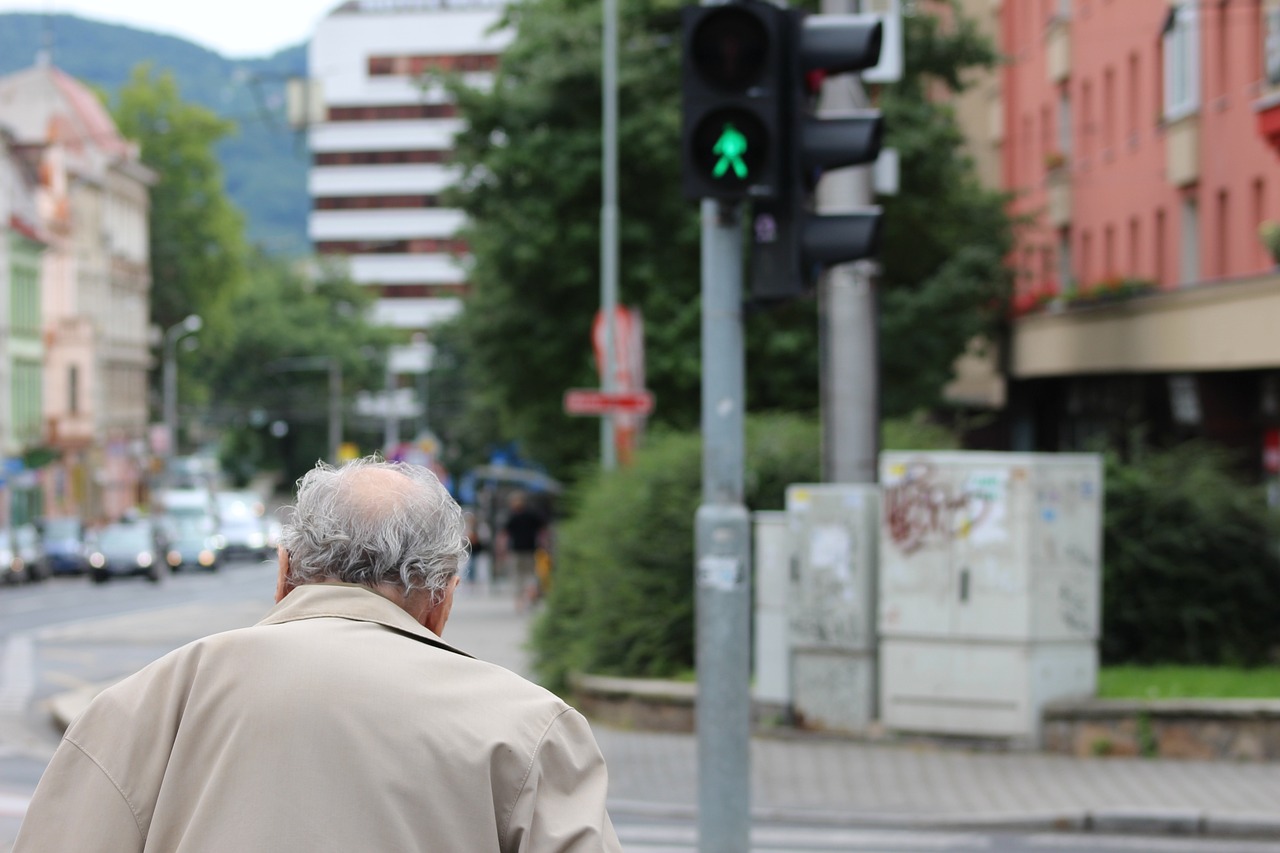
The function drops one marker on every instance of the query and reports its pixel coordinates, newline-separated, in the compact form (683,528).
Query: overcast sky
(236,28)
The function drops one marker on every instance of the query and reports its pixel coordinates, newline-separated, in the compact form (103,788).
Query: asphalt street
(63,638)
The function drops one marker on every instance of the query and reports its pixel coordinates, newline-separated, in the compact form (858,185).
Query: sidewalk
(824,780)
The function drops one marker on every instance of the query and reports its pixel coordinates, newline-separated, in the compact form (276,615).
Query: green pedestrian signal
(734,73)
(731,146)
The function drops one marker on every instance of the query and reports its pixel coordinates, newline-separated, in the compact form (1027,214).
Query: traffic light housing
(734,74)
(791,242)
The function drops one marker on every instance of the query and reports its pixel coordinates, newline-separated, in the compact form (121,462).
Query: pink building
(1134,136)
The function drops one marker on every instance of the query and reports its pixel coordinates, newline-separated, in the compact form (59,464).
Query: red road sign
(589,401)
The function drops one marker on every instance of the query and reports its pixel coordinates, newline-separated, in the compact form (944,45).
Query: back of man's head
(377,524)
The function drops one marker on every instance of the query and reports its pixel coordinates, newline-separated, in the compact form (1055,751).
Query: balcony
(1058,50)
(1222,326)
(1182,150)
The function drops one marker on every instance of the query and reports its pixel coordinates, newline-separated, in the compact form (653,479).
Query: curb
(65,707)
(1102,822)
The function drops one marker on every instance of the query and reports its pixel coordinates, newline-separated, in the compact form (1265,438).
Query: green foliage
(1191,573)
(1189,682)
(197,235)
(945,236)
(531,155)
(286,320)
(622,600)
(264,166)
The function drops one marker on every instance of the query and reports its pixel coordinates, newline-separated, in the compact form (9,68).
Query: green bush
(1190,568)
(622,600)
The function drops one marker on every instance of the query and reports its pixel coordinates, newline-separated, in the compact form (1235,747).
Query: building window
(1224,232)
(1159,246)
(1223,49)
(408,111)
(1135,248)
(1109,251)
(379,158)
(1262,259)
(1086,128)
(1086,258)
(73,390)
(1108,108)
(1189,268)
(1064,262)
(1064,122)
(1135,95)
(380,66)
(1180,41)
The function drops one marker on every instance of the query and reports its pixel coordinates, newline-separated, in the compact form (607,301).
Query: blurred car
(242,526)
(124,548)
(21,557)
(190,546)
(63,542)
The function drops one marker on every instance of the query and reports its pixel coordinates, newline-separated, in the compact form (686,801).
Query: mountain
(265,164)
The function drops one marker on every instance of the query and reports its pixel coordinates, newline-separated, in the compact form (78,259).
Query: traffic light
(791,242)
(734,72)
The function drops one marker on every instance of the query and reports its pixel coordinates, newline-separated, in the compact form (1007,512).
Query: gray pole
(609,225)
(335,408)
(723,550)
(391,424)
(849,331)
(170,389)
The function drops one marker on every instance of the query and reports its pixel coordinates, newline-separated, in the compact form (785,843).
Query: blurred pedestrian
(340,722)
(522,535)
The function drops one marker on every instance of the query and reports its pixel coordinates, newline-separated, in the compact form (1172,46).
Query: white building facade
(381,150)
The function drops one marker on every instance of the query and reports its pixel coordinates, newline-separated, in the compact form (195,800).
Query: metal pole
(609,226)
(849,386)
(335,408)
(170,382)
(391,424)
(723,550)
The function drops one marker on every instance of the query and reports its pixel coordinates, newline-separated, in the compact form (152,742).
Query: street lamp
(189,326)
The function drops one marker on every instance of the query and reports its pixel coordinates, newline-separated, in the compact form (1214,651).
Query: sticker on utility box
(723,573)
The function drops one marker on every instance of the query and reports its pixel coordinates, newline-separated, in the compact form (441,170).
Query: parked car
(124,548)
(21,557)
(242,526)
(63,542)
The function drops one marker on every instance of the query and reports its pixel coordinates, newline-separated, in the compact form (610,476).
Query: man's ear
(283,586)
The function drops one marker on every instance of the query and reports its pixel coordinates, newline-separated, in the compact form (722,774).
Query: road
(67,633)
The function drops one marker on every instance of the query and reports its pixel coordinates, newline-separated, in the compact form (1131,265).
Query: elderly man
(341,721)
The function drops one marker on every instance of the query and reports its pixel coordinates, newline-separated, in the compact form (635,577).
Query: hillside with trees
(263,161)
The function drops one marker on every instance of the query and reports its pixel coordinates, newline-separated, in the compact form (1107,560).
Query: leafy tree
(198,251)
(531,157)
(286,320)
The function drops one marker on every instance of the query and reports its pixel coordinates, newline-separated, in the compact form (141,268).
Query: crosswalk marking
(13,806)
(17,674)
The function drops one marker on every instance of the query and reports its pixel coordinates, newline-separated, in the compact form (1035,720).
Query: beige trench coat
(338,723)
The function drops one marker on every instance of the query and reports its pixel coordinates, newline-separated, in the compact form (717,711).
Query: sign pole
(609,229)
(722,533)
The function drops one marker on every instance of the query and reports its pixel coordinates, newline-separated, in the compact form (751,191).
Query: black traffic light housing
(734,74)
(791,242)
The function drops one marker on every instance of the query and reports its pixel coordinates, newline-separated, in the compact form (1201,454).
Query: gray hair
(356,525)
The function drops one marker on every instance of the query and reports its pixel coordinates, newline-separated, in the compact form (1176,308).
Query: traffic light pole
(722,532)
(849,385)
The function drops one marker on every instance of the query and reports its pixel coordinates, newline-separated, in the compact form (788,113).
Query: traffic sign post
(591,401)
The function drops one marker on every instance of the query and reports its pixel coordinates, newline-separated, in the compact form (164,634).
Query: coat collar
(350,601)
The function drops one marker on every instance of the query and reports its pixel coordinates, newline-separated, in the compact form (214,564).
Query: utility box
(831,608)
(771,662)
(990,584)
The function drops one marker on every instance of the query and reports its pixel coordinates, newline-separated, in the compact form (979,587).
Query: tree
(531,160)
(289,314)
(198,249)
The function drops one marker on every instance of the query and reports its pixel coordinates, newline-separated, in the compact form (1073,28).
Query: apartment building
(1134,136)
(93,310)
(380,156)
